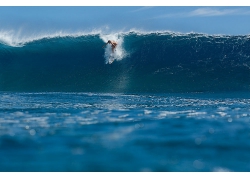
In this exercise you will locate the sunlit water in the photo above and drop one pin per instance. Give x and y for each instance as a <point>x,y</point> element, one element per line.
<point>118,132</point>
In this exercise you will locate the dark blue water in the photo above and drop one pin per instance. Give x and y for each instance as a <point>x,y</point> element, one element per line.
<point>124,132</point>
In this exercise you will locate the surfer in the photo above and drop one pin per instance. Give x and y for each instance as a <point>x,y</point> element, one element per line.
<point>113,45</point>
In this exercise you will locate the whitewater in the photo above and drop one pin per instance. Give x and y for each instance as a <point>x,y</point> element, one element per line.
<point>169,102</point>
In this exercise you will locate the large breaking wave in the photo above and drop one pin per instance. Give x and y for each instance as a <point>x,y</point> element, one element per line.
<point>145,62</point>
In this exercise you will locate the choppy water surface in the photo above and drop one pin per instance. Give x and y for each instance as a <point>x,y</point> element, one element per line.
<point>119,132</point>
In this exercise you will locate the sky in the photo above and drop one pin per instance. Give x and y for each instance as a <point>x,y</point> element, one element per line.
<point>231,20</point>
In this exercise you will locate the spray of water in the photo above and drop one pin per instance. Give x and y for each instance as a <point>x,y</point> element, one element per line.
<point>119,52</point>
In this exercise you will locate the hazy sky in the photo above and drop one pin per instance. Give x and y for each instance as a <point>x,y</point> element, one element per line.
<point>203,19</point>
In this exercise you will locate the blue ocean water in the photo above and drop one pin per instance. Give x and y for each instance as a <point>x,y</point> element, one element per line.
<point>119,132</point>
<point>169,102</point>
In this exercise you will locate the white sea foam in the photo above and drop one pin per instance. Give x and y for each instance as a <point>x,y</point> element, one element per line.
<point>119,52</point>
<point>10,38</point>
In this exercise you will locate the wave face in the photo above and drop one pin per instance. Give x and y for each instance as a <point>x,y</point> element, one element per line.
<point>145,62</point>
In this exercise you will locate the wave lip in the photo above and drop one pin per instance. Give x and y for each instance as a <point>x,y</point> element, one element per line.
<point>17,39</point>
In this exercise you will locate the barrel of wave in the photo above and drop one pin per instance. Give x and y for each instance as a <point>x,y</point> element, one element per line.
<point>119,52</point>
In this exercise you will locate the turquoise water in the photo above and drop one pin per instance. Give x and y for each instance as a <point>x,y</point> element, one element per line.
<point>124,132</point>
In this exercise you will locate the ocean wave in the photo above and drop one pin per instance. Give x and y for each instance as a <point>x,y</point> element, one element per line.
<point>153,61</point>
